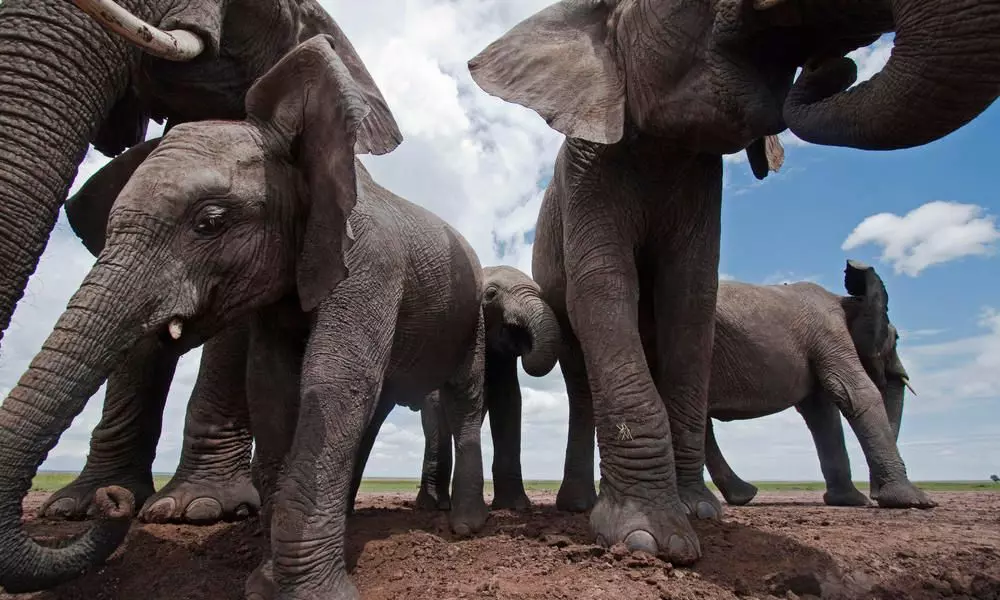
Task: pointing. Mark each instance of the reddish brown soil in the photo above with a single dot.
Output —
(784, 545)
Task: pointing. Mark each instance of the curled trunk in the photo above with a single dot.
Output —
(543, 327)
(944, 71)
(60, 76)
(85, 345)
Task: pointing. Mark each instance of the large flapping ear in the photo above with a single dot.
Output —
(765, 154)
(87, 210)
(870, 329)
(559, 64)
(310, 102)
(379, 133)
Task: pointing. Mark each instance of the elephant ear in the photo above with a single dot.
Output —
(311, 104)
(765, 154)
(559, 64)
(87, 210)
(125, 126)
(870, 328)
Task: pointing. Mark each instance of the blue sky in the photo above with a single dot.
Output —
(478, 162)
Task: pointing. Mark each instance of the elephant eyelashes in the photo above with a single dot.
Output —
(210, 220)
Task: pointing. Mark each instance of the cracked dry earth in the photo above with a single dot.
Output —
(786, 545)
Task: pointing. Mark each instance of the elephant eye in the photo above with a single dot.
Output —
(210, 220)
(490, 294)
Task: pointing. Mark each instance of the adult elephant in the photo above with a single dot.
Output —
(779, 346)
(651, 94)
(518, 324)
(271, 220)
(69, 79)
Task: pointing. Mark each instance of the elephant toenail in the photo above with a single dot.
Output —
(681, 551)
(161, 510)
(203, 510)
(62, 507)
(705, 510)
(242, 511)
(602, 541)
(641, 540)
(462, 530)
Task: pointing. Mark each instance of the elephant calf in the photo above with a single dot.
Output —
(799, 345)
(273, 222)
(518, 323)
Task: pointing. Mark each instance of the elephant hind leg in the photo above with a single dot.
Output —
(577, 492)
(382, 410)
(123, 444)
(736, 491)
(435, 476)
(212, 482)
(859, 400)
(823, 420)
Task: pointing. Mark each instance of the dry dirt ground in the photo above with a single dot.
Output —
(782, 545)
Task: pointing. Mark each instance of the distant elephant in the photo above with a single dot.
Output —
(272, 222)
(518, 323)
(778, 346)
(650, 94)
(102, 89)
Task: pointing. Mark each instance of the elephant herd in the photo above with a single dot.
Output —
(323, 300)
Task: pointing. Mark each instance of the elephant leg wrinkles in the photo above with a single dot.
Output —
(823, 420)
(123, 444)
(435, 475)
(213, 480)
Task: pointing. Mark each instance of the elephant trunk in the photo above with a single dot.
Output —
(60, 76)
(944, 71)
(539, 320)
(86, 343)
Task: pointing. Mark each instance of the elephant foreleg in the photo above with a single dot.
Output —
(503, 402)
(577, 492)
(823, 419)
(212, 481)
(435, 477)
(736, 491)
(123, 444)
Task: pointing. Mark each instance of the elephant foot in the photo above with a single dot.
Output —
(509, 495)
(699, 501)
(903, 495)
(576, 496)
(849, 497)
(201, 501)
(653, 527)
(261, 586)
(430, 499)
(75, 501)
(738, 493)
(468, 517)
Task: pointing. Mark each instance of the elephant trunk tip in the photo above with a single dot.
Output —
(115, 503)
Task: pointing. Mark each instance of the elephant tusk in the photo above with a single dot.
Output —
(177, 45)
(176, 328)
(906, 382)
(775, 153)
(766, 4)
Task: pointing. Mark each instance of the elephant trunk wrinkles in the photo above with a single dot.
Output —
(943, 72)
(545, 336)
(60, 75)
(85, 345)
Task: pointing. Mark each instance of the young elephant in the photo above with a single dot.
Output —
(518, 323)
(271, 220)
(799, 345)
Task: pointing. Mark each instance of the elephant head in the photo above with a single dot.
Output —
(222, 217)
(875, 338)
(518, 321)
(716, 76)
(72, 77)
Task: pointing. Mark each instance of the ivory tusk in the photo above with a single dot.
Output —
(906, 382)
(177, 45)
(176, 328)
(775, 153)
(766, 4)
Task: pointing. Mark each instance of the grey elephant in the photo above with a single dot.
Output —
(110, 74)
(650, 94)
(800, 345)
(518, 324)
(274, 222)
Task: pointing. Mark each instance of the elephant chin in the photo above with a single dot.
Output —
(944, 71)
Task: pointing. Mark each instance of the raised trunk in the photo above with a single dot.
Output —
(60, 76)
(944, 71)
(545, 337)
(87, 342)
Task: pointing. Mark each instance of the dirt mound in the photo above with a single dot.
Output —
(782, 545)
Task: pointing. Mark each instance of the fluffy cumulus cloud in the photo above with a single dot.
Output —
(932, 234)
(476, 161)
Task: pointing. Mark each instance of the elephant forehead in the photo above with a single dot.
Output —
(197, 161)
(507, 277)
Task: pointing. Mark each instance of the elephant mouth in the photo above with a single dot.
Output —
(515, 340)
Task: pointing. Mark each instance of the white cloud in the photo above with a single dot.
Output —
(871, 59)
(932, 234)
